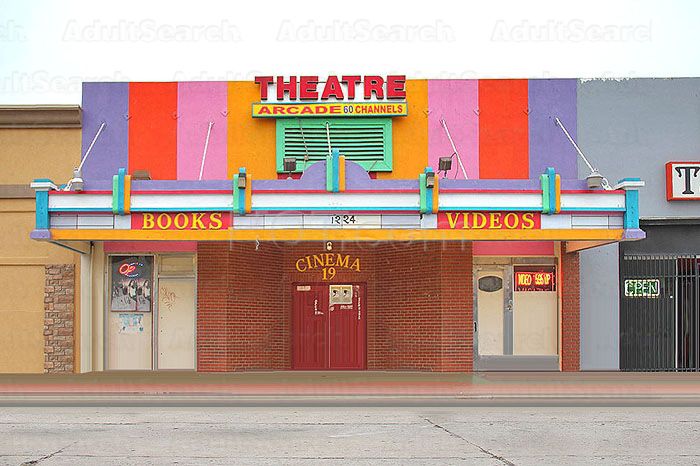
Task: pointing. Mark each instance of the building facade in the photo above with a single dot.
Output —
(37, 332)
(341, 223)
(640, 300)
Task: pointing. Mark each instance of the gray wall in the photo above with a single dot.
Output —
(600, 299)
(633, 127)
(630, 128)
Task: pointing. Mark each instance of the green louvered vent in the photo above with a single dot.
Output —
(366, 141)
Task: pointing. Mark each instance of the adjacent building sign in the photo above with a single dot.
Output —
(489, 220)
(181, 221)
(642, 288)
(683, 181)
(327, 263)
(339, 96)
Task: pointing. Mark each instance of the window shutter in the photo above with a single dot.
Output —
(366, 141)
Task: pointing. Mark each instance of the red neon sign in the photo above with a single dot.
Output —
(128, 269)
(535, 279)
(390, 87)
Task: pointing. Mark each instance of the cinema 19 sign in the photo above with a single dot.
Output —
(337, 96)
(327, 263)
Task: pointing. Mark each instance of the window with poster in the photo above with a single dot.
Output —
(132, 283)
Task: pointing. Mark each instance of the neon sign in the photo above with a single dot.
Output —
(535, 279)
(130, 269)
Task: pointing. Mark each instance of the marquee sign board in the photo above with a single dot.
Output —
(683, 181)
(181, 221)
(344, 96)
(489, 220)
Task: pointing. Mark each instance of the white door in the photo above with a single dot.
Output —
(489, 299)
(176, 323)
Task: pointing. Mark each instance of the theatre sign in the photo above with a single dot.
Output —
(336, 96)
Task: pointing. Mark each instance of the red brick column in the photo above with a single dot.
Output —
(213, 295)
(59, 309)
(570, 312)
(457, 304)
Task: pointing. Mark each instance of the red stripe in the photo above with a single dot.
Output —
(503, 129)
(53, 193)
(323, 191)
(183, 191)
(588, 191)
(489, 191)
(153, 129)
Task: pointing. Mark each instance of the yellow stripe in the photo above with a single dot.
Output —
(436, 191)
(338, 235)
(248, 193)
(341, 173)
(127, 194)
(557, 194)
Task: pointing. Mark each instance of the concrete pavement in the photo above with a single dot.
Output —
(357, 435)
(383, 387)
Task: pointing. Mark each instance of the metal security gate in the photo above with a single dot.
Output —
(660, 313)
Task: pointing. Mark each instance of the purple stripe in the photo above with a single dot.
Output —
(455, 100)
(547, 99)
(199, 103)
(108, 103)
(314, 178)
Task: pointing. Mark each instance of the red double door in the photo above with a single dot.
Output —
(329, 327)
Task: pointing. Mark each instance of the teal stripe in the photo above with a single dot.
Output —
(336, 170)
(552, 185)
(546, 206)
(42, 210)
(423, 193)
(631, 217)
(236, 196)
(120, 191)
(115, 194)
(241, 201)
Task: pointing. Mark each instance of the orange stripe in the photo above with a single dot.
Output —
(301, 234)
(248, 192)
(341, 173)
(127, 194)
(251, 141)
(503, 129)
(410, 134)
(436, 194)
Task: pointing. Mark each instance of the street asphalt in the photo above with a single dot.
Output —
(493, 435)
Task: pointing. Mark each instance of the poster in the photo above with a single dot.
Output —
(130, 323)
(340, 294)
(132, 283)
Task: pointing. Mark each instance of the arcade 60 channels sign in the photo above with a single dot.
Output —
(683, 181)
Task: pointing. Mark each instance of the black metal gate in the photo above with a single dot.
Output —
(660, 313)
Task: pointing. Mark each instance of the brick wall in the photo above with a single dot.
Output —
(419, 303)
(570, 312)
(59, 309)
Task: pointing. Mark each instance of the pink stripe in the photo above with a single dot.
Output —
(198, 104)
(513, 248)
(130, 247)
(457, 102)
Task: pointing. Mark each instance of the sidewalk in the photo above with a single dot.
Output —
(512, 385)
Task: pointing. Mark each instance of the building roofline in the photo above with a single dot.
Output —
(40, 116)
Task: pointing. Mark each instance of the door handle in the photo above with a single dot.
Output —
(474, 326)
